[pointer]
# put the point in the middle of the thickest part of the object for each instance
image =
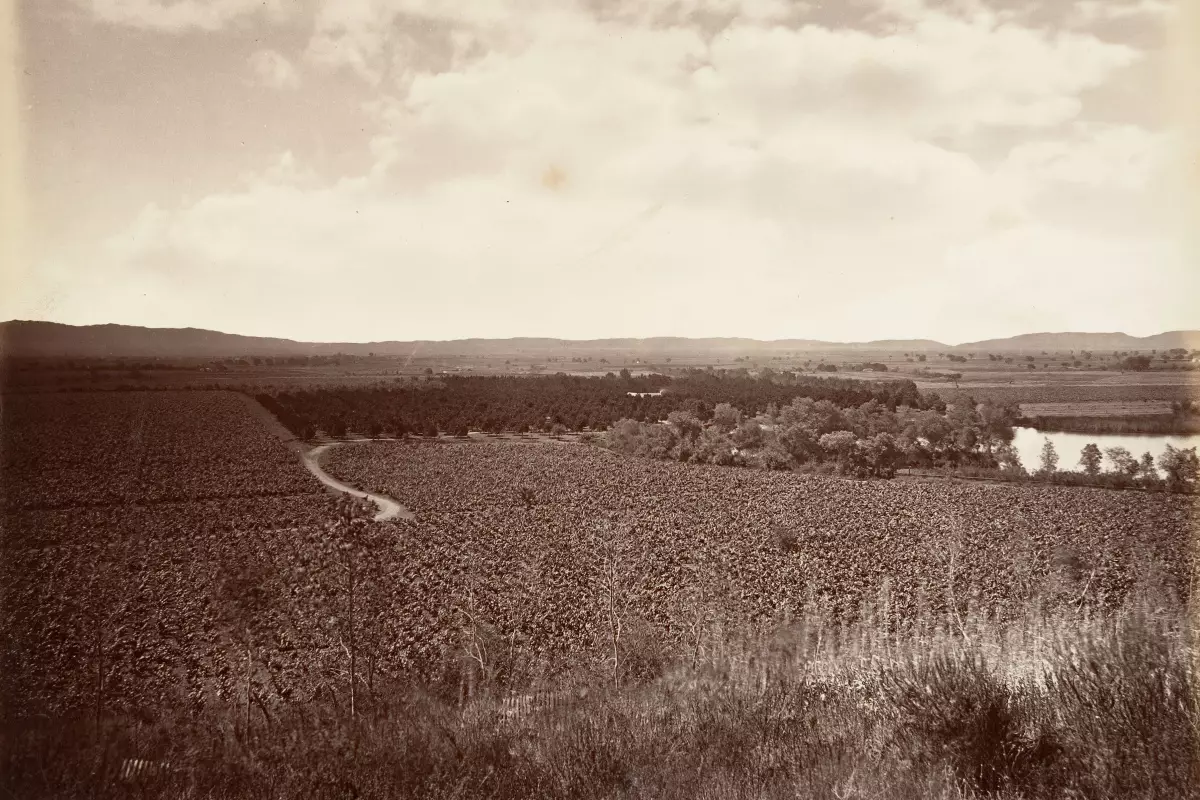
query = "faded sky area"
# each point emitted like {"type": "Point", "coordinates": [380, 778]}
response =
{"type": "Point", "coordinates": [356, 170]}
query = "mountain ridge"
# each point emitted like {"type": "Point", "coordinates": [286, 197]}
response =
{"type": "Point", "coordinates": [31, 338]}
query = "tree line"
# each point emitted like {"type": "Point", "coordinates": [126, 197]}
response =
{"type": "Point", "coordinates": [1176, 468]}
{"type": "Point", "coordinates": [495, 404]}
{"type": "Point", "coordinates": [866, 440]}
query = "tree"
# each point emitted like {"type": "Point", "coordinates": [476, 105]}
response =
{"type": "Point", "coordinates": [748, 435]}
{"type": "Point", "coordinates": [342, 566]}
{"type": "Point", "coordinates": [1181, 467]}
{"type": "Point", "coordinates": [842, 445]}
{"type": "Point", "coordinates": [242, 602]}
{"type": "Point", "coordinates": [1136, 363]}
{"type": "Point", "coordinates": [1049, 458]}
{"type": "Point", "coordinates": [1147, 468]}
{"type": "Point", "coordinates": [1089, 459]}
{"type": "Point", "coordinates": [623, 567]}
{"type": "Point", "coordinates": [1122, 461]}
{"type": "Point", "coordinates": [1009, 459]}
{"type": "Point", "coordinates": [726, 417]}
{"type": "Point", "coordinates": [881, 454]}
{"type": "Point", "coordinates": [686, 425]}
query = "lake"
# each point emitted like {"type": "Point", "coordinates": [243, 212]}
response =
{"type": "Point", "coordinates": [1028, 444]}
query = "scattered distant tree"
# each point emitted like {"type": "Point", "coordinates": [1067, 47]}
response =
{"type": "Point", "coordinates": [625, 373]}
{"type": "Point", "coordinates": [1049, 458]}
{"type": "Point", "coordinates": [921, 358]}
{"type": "Point", "coordinates": [1136, 363]}
{"type": "Point", "coordinates": [557, 429]}
{"type": "Point", "coordinates": [1090, 458]}
{"type": "Point", "coordinates": [428, 370]}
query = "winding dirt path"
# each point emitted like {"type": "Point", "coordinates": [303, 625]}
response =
{"type": "Point", "coordinates": [388, 508]}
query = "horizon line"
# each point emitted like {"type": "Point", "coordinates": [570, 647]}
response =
{"type": "Point", "coordinates": [594, 339]}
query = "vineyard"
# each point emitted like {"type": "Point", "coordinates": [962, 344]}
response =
{"type": "Point", "coordinates": [531, 534]}
{"type": "Point", "coordinates": [168, 558]}
{"type": "Point", "coordinates": [121, 513]}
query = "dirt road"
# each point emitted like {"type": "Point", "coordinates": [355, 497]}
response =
{"type": "Point", "coordinates": [388, 508]}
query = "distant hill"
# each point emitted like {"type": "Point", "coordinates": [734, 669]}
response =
{"type": "Point", "coordinates": [21, 338]}
{"type": "Point", "coordinates": [1098, 342]}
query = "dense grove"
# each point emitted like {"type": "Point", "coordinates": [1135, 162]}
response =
{"type": "Point", "coordinates": [870, 440]}
{"type": "Point", "coordinates": [459, 403]}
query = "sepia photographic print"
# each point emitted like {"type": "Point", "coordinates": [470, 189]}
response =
{"type": "Point", "coordinates": [681, 399]}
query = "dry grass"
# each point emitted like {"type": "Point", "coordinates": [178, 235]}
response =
{"type": "Point", "coordinates": [956, 706]}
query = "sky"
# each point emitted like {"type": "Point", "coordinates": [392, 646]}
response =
{"type": "Point", "coordinates": [362, 170]}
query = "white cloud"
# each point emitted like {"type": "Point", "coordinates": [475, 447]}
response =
{"type": "Point", "coordinates": [274, 70]}
{"type": "Point", "coordinates": [1090, 12]}
{"type": "Point", "coordinates": [176, 16]}
{"type": "Point", "coordinates": [763, 176]}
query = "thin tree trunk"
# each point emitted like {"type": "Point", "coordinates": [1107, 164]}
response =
{"type": "Point", "coordinates": [98, 710]}
{"type": "Point", "coordinates": [249, 656]}
{"type": "Point", "coordinates": [353, 648]}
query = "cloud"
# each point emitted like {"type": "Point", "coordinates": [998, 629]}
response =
{"type": "Point", "coordinates": [176, 16]}
{"type": "Point", "coordinates": [1087, 13]}
{"type": "Point", "coordinates": [274, 70]}
{"type": "Point", "coordinates": [694, 167]}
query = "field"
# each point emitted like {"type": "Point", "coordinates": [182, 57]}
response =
{"type": "Point", "coordinates": [1096, 409]}
{"type": "Point", "coordinates": [120, 512]}
{"type": "Point", "coordinates": [700, 539]}
{"type": "Point", "coordinates": [176, 584]}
